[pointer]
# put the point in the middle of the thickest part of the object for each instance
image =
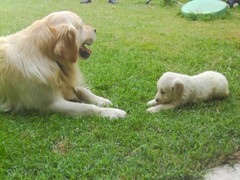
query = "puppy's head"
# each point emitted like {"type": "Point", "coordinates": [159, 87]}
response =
{"type": "Point", "coordinates": [170, 88]}
{"type": "Point", "coordinates": [69, 36]}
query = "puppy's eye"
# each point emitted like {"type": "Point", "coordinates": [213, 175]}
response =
{"type": "Point", "coordinates": [163, 92]}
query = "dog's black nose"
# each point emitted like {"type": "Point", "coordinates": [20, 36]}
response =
{"type": "Point", "coordinates": [157, 99]}
{"type": "Point", "coordinates": [95, 30]}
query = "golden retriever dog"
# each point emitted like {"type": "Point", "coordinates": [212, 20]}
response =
{"type": "Point", "coordinates": [39, 70]}
{"type": "Point", "coordinates": [176, 89]}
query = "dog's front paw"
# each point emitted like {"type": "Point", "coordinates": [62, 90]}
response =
{"type": "Point", "coordinates": [102, 102]}
{"type": "Point", "coordinates": [152, 103]}
{"type": "Point", "coordinates": [113, 113]}
{"type": "Point", "coordinates": [153, 109]}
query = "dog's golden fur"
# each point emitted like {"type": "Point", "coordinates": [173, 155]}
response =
{"type": "Point", "coordinates": [39, 70]}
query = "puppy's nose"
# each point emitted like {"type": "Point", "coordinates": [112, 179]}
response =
{"type": "Point", "coordinates": [157, 100]}
{"type": "Point", "coordinates": [95, 30]}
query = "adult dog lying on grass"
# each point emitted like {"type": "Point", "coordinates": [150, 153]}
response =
{"type": "Point", "coordinates": [39, 70]}
{"type": "Point", "coordinates": [176, 89]}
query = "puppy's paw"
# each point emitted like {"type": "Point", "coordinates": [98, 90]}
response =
{"type": "Point", "coordinates": [113, 113]}
{"type": "Point", "coordinates": [161, 107]}
{"type": "Point", "coordinates": [152, 103]}
{"type": "Point", "coordinates": [153, 109]}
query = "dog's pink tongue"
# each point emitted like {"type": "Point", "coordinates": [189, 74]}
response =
{"type": "Point", "coordinates": [84, 52]}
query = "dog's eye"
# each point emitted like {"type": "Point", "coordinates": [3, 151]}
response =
{"type": "Point", "coordinates": [163, 92]}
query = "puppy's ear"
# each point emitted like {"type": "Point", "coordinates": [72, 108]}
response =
{"type": "Point", "coordinates": [66, 45]}
{"type": "Point", "coordinates": [178, 86]}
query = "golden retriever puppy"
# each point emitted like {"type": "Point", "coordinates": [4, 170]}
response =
{"type": "Point", "coordinates": [39, 70]}
{"type": "Point", "coordinates": [176, 89]}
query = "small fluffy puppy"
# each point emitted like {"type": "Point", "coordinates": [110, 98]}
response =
{"type": "Point", "coordinates": [176, 89]}
{"type": "Point", "coordinates": [39, 70]}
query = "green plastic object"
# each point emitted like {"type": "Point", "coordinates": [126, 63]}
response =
{"type": "Point", "coordinates": [204, 7]}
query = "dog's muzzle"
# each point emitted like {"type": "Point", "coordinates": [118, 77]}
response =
{"type": "Point", "coordinates": [85, 52]}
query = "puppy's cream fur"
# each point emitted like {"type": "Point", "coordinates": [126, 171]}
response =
{"type": "Point", "coordinates": [39, 70]}
{"type": "Point", "coordinates": [176, 89]}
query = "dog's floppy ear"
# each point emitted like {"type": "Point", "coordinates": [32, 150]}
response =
{"type": "Point", "coordinates": [178, 86]}
{"type": "Point", "coordinates": [66, 45]}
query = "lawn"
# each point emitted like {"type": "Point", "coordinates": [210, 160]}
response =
{"type": "Point", "coordinates": [135, 44]}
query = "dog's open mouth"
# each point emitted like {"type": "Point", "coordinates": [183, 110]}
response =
{"type": "Point", "coordinates": [84, 51]}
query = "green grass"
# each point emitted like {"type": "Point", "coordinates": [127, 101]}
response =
{"type": "Point", "coordinates": [135, 44]}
